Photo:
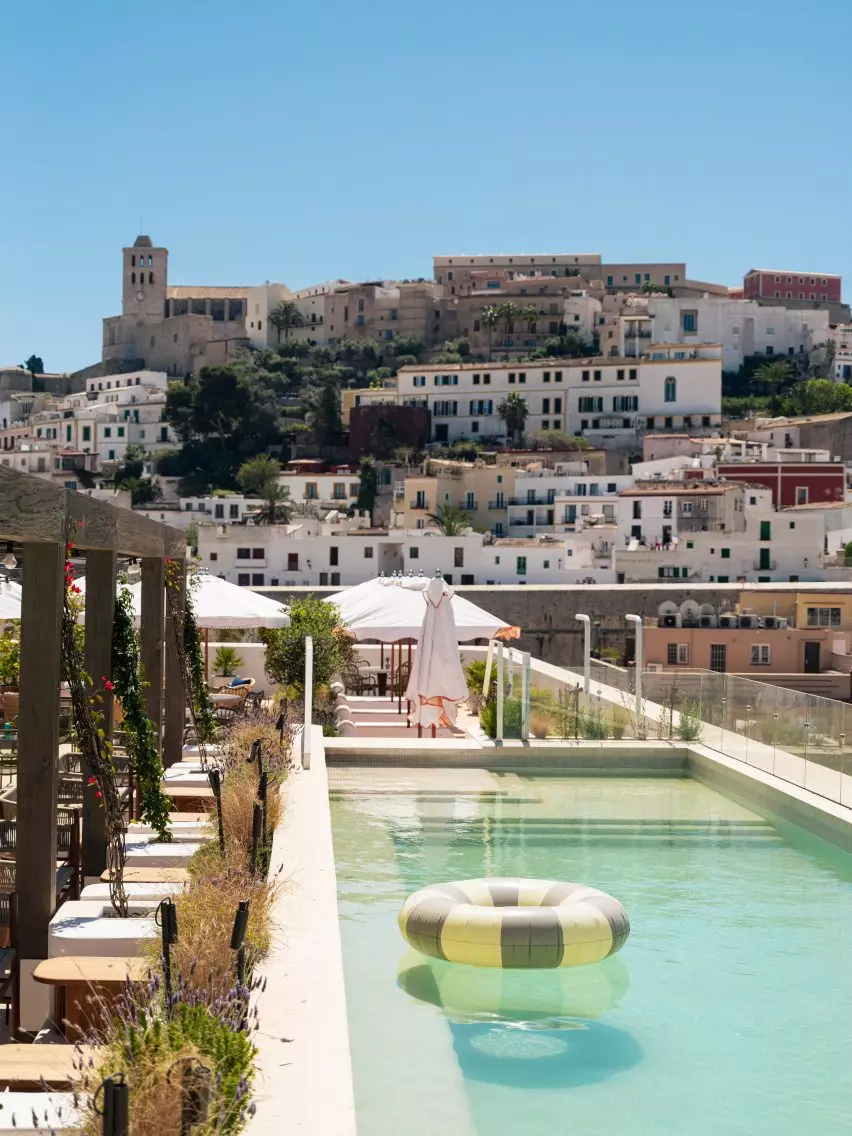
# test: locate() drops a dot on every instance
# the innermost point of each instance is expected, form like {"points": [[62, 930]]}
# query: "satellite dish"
{"points": [[707, 609], [667, 607]]}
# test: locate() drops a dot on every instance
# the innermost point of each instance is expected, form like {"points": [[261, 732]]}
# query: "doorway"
{"points": [[812, 658]]}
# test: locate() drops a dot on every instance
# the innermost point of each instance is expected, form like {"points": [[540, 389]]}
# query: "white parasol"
{"points": [[437, 683]]}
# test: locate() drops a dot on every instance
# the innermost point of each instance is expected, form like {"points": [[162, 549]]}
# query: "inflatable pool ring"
{"points": [[514, 923]]}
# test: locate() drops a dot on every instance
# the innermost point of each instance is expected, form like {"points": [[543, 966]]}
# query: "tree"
{"points": [[276, 508], [285, 646], [530, 313], [323, 403], [513, 410], [285, 317], [491, 317], [450, 520], [818, 396], [34, 365], [558, 440], [367, 487], [772, 377], [258, 474]]}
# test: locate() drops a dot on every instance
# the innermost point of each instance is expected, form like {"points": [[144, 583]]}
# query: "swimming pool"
{"points": [[727, 1011]]}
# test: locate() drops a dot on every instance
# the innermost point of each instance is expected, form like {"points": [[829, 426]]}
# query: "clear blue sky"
{"points": [[297, 141]]}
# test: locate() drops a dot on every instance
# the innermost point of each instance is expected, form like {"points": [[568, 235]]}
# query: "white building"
{"points": [[714, 532], [610, 401], [337, 487], [315, 554], [566, 501], [741, 327]]}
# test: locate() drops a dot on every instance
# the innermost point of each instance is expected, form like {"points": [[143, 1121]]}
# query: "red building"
{"points": [[792, 483], [773, 284]]}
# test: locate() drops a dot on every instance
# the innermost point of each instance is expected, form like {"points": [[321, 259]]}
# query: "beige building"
{"points": [[381, 310], [482, 491], [179, 328]]}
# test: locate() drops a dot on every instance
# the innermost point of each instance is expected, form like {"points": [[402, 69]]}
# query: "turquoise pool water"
{"points": [[729, 1010]]}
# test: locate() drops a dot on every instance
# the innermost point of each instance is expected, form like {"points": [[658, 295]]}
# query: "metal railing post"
{"points": [[526, 673], [309, 697], [498, 732], [587, 652]]}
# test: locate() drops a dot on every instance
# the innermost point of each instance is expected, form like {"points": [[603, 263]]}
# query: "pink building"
{"points": [[774, 284]]}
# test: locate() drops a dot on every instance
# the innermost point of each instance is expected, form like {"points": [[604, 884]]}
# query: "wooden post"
{"points": [[100, 610], [38, 745], [151, 619], [175, 696]]}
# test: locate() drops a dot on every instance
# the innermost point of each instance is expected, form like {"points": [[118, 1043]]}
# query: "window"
{"points": [[368, 552], [545, 406], [766, 530], [725, 553], [678, 654], [761, 654], [258, 554], [546, 376], [292, 562], [625, 402], [597, 376], [689, 322], [668, 423], [823, 617], [257, 579], [414, 554], [107, 431], [557, 376], [243, 554], [522, 376], [590, 404], [619, 374], [458, 558], [671, 389], [585, 376], [511, 376], [633, 373], [120, 431], [219, 512], [333, 554], [718, 657], [686, 508], [801, 494], [609, 281], [243, 579], [521, 566]]}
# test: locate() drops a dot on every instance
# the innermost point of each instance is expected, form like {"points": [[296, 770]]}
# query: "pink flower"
{"points": [[108, 685]]}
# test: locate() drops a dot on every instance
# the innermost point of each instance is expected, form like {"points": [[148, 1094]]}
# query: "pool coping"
{"points": [[305, 1081]]}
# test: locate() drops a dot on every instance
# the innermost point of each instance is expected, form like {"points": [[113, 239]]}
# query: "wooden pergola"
{"points": [[41, 517]]}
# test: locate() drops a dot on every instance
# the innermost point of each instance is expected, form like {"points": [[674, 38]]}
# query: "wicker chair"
{"points": [[9, 962]]}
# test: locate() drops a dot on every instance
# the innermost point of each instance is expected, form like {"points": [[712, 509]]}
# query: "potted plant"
{"points": [[227, 662], [10, 657]]}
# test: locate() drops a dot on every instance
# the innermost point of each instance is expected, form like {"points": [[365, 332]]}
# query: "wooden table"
{"points": [[154, 875], [22, 1067], [87, 987]]}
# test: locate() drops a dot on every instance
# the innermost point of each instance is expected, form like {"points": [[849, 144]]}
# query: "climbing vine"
{"points": [[190, 654], [91, 737], [140, 735]]}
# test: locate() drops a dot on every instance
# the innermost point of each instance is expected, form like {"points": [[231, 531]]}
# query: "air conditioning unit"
{"points": [[748, 621], [655, 667], [728, 621], [774, 622], [670, 620], [708, 621]]}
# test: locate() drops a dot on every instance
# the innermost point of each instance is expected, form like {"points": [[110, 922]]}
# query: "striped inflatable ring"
{"points": [[514, 923]]}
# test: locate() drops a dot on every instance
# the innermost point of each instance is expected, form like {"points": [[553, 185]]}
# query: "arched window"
{"points": [[150, 277], [150, 261], [671, 389], [133, 259], [132, 277]]}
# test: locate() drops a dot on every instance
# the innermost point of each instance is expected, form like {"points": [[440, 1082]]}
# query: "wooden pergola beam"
{"points": [[34, 511]]}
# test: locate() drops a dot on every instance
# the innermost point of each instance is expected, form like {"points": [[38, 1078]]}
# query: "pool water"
{"points": [[728, 1010]]}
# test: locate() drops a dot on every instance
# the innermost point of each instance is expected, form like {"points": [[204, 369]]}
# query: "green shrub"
{"points": [[511, 718], [10, 655], [334, 650], [690, 725], [593, 724]]}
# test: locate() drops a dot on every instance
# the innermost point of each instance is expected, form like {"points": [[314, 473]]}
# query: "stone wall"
{"points": [[545, 613]]}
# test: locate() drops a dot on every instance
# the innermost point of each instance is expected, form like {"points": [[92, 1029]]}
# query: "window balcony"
{"points": [[531, 503], [418, 503], [497, 504]]}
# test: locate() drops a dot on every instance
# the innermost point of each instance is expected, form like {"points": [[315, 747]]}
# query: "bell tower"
{"points": [[144, 279]]}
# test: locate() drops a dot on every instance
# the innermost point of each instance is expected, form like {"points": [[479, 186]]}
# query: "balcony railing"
{"points": [[498, 504], [633, 333], [531, 503], [418, 503]]}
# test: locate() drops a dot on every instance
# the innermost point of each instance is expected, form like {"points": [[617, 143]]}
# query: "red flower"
{"points": [[98, 794], [92, 781], [75, 590], [108, 685]]}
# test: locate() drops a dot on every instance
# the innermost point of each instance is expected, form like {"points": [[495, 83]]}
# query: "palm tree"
{"points": [[450, 520], [513, 410], [490, 318], [529, 313], [773, 377], [276, 506], [285, 316]]}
